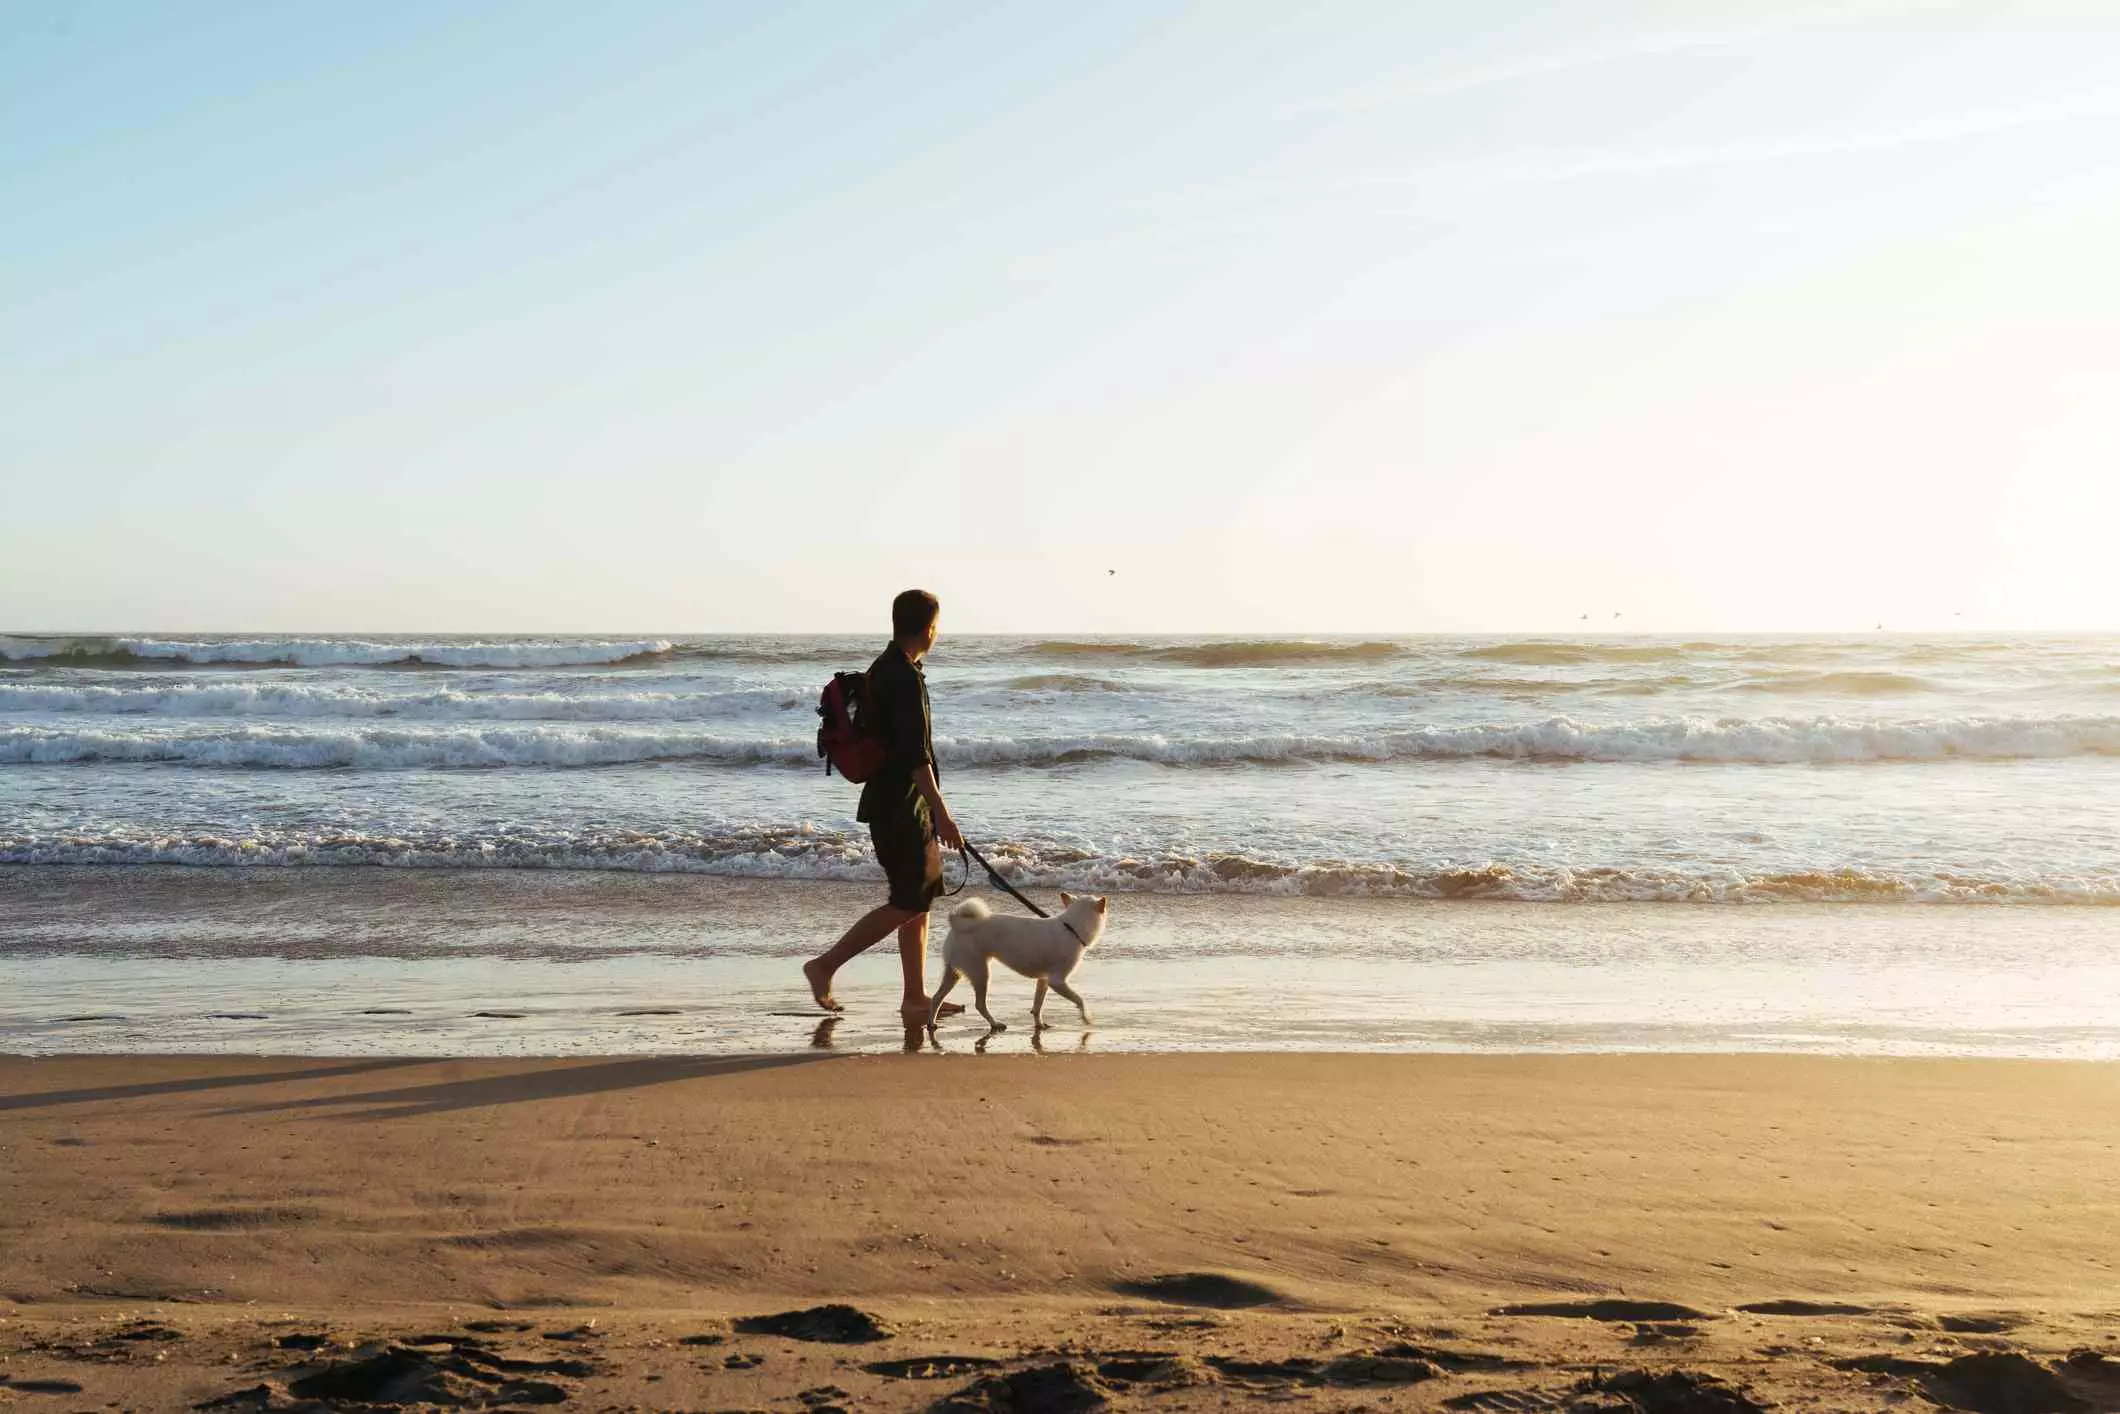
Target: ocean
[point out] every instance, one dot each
(1343, 839)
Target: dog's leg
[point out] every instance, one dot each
(978, 973)
(949, 980)
(1060, 986)
(1038, 1007)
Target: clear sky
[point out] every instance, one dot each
(1394, 316)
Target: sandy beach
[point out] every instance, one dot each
(1173, 1231)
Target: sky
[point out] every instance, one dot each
(1375, 316)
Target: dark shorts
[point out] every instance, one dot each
(911, 859)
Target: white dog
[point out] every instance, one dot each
(1049, 949)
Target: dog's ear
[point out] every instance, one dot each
(1103, 904)
(1066, 898)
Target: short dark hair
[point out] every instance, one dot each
(912, 612)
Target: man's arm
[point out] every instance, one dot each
(945, 827)
(906, 720)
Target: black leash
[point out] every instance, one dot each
(967, 851)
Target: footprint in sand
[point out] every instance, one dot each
(1671, 1392)
(1608, 1309)
(834, 1324)
(1511, 1401)
(929, 1367)
(1224, 1293)
(1065, 1388)
(1342, 1371)
(1803, 1308)
(1990, 1381)
(234, 1219)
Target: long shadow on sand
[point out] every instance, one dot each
(42, 1098)
(546, 1081)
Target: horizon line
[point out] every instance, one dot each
(1080, 633)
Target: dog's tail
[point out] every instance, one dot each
(970, 911)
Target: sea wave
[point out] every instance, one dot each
(338, 700)
(96, 651)
(392, 748)
(1488, 684)
(1556, 653)
(1234, 653)
(1846, 684)
(803, 852)
(1065, 682)
(1786, 740)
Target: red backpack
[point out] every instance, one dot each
(848, 737)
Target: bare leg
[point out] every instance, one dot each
(1038, 1007)
(1060, 986)
(949, 980)
(978, 973)
(868, 930)
(912, 966)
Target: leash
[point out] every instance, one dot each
(967, 852)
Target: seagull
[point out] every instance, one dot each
(1111, 571)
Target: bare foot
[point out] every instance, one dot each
(820, 986)
(920, 1009)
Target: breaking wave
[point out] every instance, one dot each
(1556, 654)
(297, 699)
(1245, 653)
(1525, 687)
(1872, 684)
(806, 853)
(101, 652)
(1791, 740)
(1065, 682)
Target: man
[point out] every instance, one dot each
(902, 806)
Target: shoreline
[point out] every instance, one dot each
(1232, 1208)
(147, 960)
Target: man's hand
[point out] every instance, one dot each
(946, 829)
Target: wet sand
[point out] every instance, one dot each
(511, 962)
(1170, 1231)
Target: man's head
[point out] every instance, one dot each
(914, 616)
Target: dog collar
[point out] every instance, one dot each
(1071, 928)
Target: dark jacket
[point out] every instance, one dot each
(898, 695)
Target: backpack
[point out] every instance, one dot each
(849, 737)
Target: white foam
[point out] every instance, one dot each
(340, 700)
(343, 652)
(391, 748)
(1816, 740)
(801, 852)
